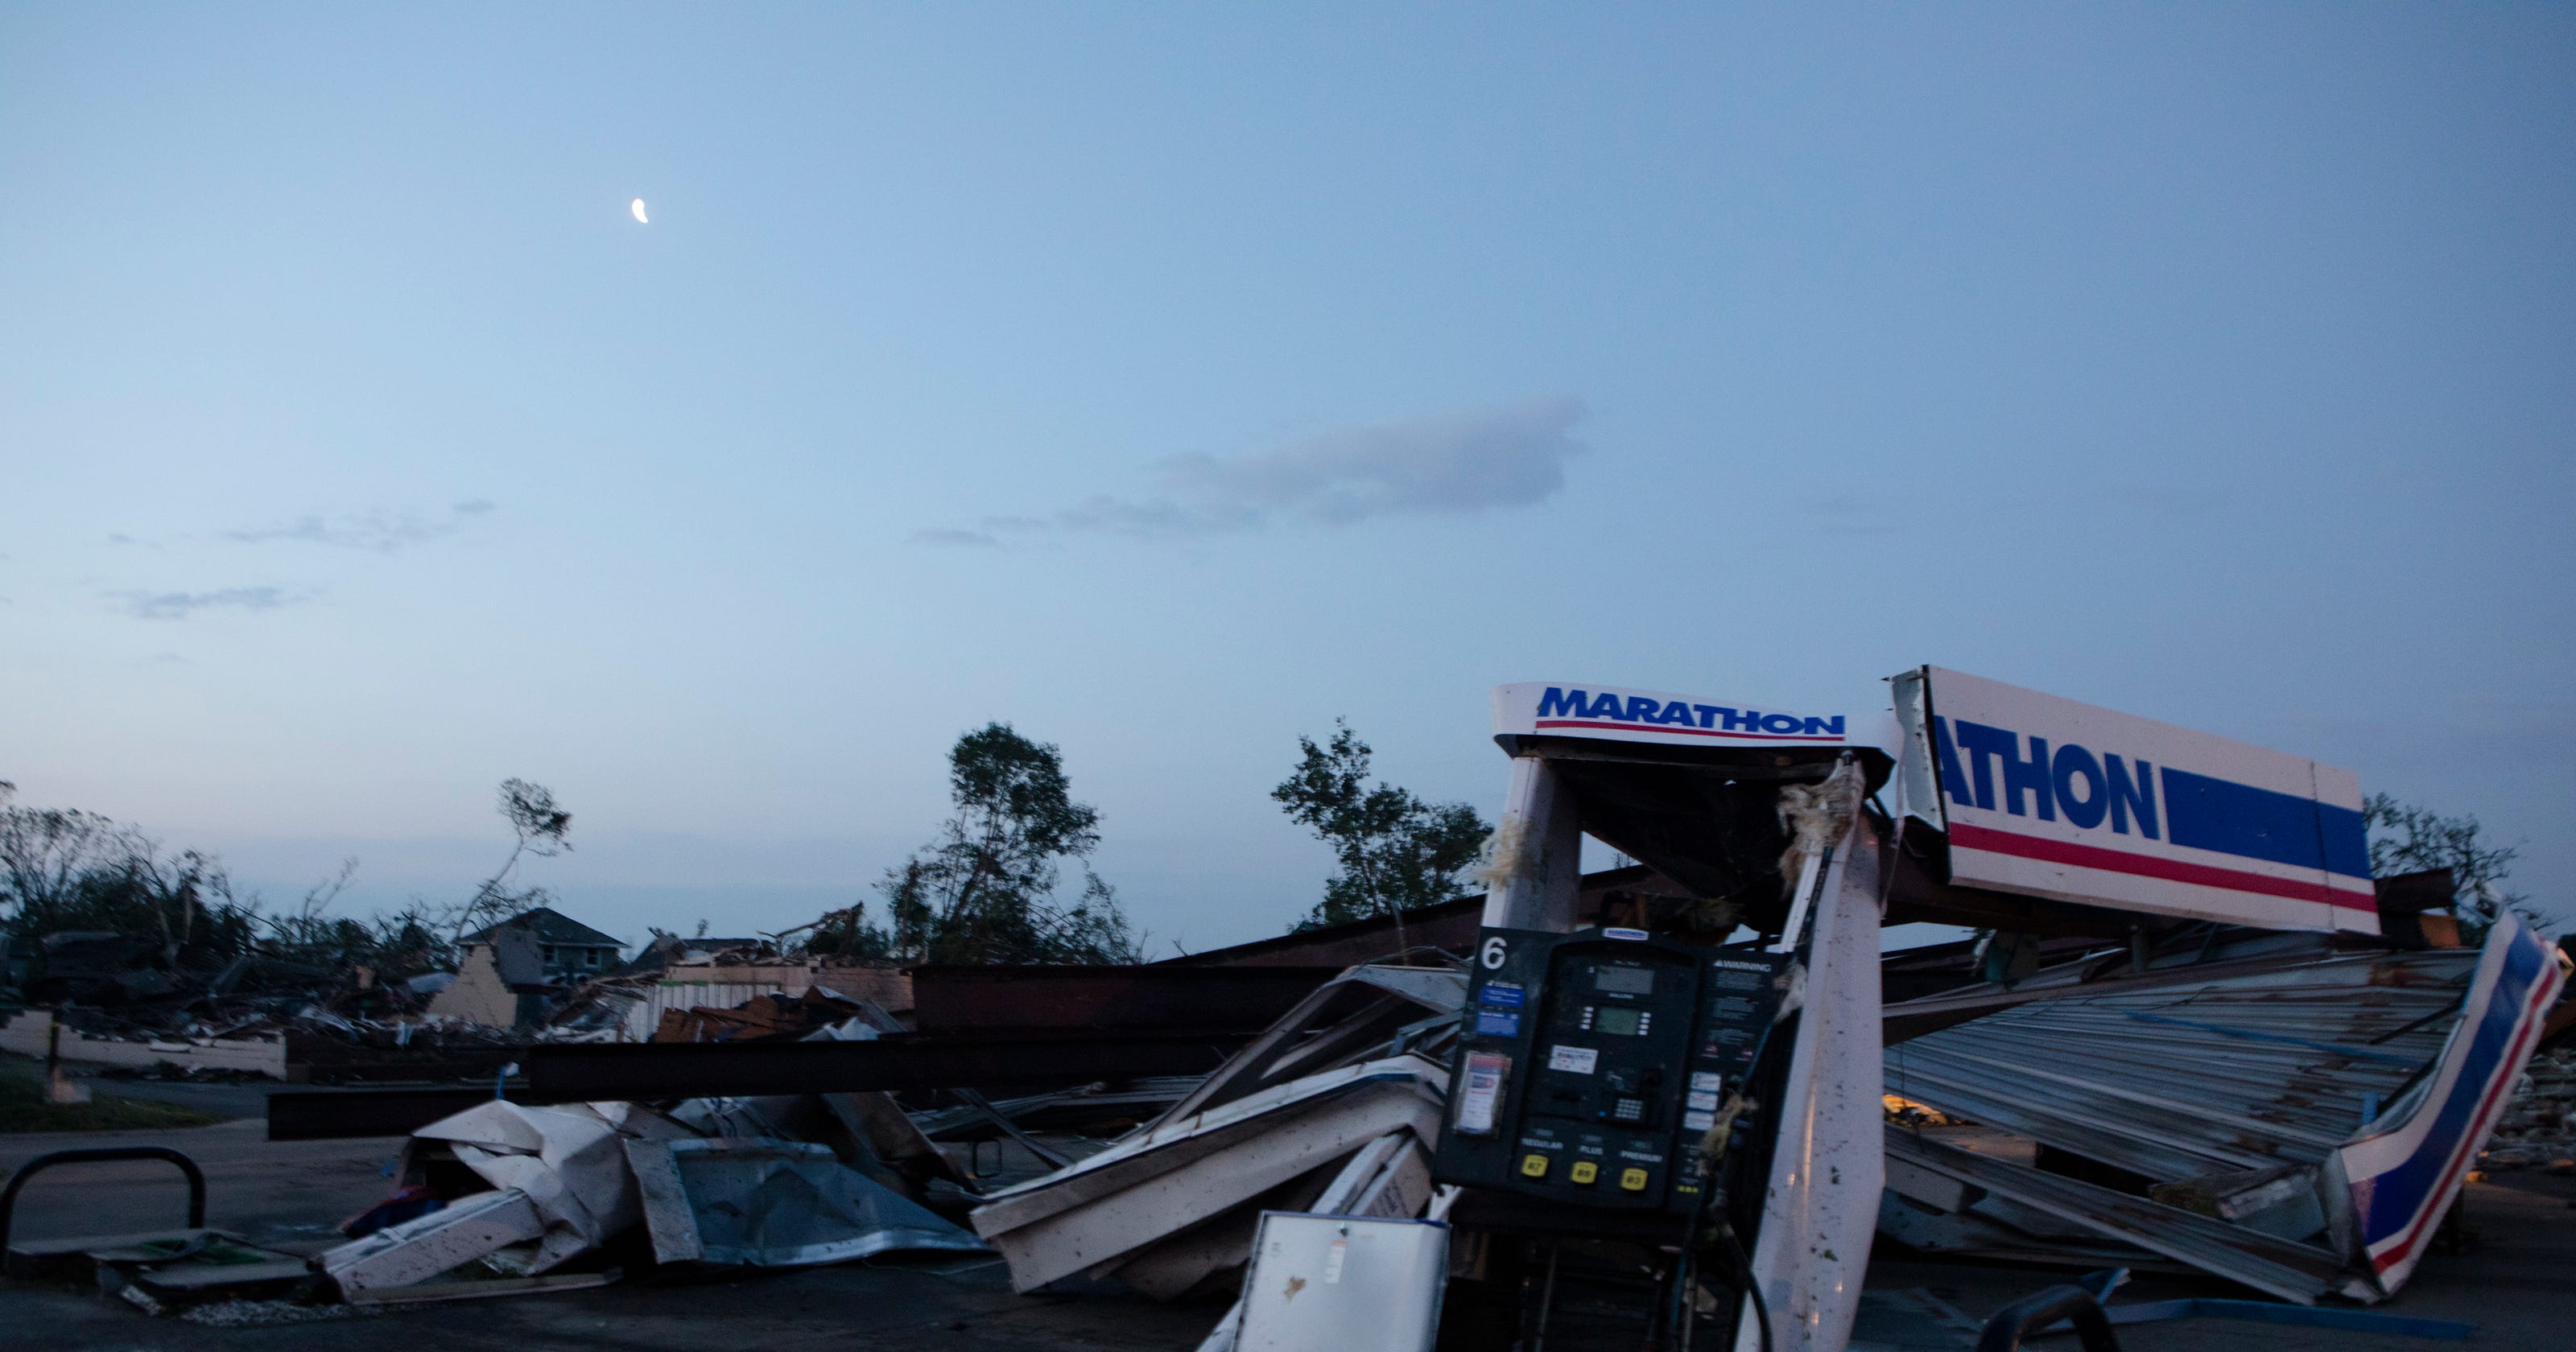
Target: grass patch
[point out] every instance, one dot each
(23, 1108)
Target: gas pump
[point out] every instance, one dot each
(1595, 1063)
(1598, 1093)
(1653, 1127)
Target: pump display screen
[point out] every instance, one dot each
(1624, 980)
(1623, 1022)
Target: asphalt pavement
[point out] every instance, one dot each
(2516, 1282)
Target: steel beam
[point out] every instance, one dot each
(583, 1073)
(1151, 998)
(666, 1070)
(332, 1114)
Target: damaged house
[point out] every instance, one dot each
(507, 972)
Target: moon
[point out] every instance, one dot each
(637, 206)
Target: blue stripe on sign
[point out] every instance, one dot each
(2252, 823)
(2347, 840)
(2397, 1195)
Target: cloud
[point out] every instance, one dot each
(956, 539)
(378, 532)
(1849, 513)
(181, 605)
(1448, 464)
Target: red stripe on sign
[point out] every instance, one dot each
(2490, 1107)
(2150, 866)
(1687, 732)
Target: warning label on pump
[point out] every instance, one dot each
(1580, 1060)
(1483, 1092)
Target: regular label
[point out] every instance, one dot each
(1483, 1091)
(1579, 1060)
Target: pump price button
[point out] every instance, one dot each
(1632, 1180)
(1535, 1166)
(1584, 1171)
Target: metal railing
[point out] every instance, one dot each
(100, 1155)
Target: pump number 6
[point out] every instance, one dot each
(1493, 953)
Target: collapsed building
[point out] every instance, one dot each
(1680, 1100)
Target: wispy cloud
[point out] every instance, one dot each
(1850, 513)
(181, 605)
(1448, 464)
(379, 532)
(957, 539)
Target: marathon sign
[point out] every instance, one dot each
(1563, 709)
(2048, 797)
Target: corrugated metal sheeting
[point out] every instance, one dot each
(2224, 1088)
(683, 993)
(2260, 1063)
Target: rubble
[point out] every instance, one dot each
(2287, 1110)
(435, 1244)
(774, 1203)
(535, 979)
(507, 1198)
(763, 1017)
(2538, 1129)
(1338, 1102)
(2226, 1107)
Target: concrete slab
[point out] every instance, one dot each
(2512, 1283)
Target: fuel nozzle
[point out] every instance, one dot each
(1714, 1142)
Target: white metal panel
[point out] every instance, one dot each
(1538, 853)
(2052, 798)
(685, 992)
(1343, 1283)
(422, 1248)
(1827, 1166)
(1132, 1217)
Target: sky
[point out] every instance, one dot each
(1170, 381)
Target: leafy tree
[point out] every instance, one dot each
(984, 891)
(543, 829)
(399, 945)
(65, 869)
(1396, 851)
(48, 854)
(2405, 838)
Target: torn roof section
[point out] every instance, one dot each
(550, 926)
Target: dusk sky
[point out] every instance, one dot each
(1169, 381)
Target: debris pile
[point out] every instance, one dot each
(500, 1197)
(2538, 1129)
(1335, 1108)
(534, 979)
(2227, 1107)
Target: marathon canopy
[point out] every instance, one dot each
(1616, 713)
(2051, 798)
(1687, 785)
